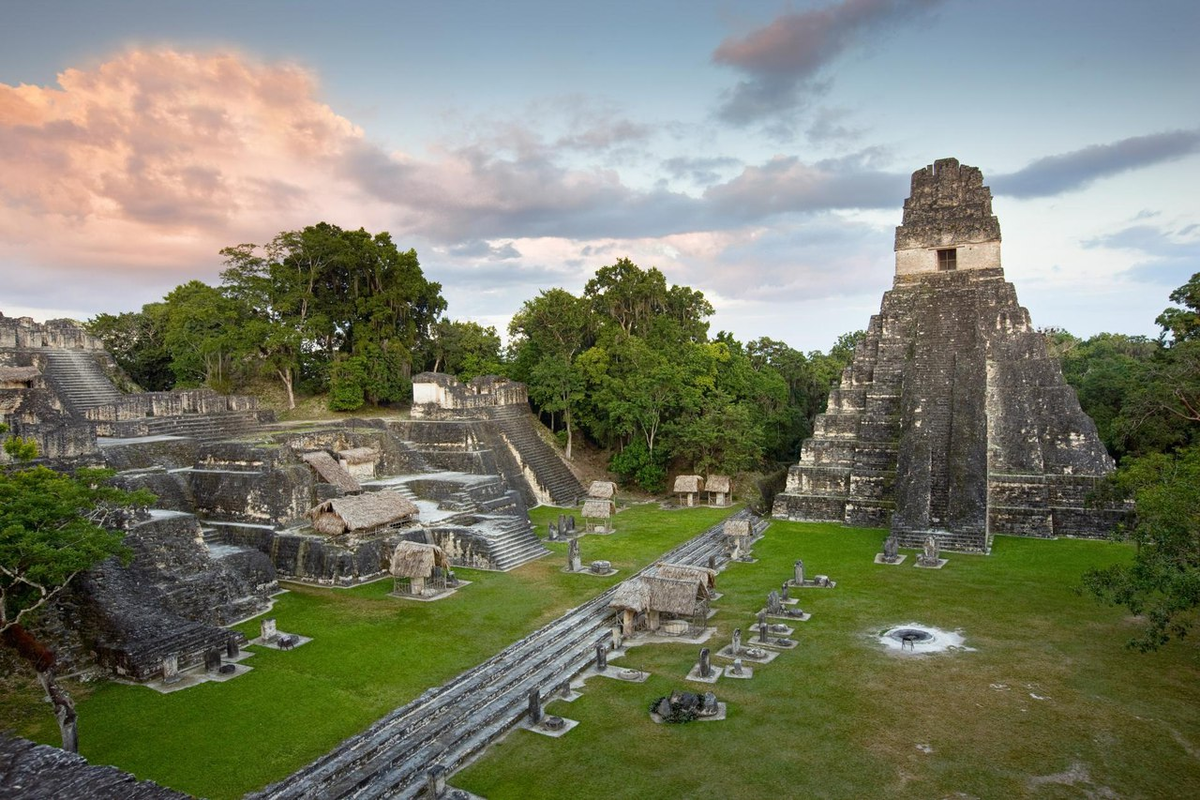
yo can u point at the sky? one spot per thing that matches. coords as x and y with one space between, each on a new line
757 151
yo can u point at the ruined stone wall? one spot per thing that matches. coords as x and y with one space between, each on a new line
440 396
67 334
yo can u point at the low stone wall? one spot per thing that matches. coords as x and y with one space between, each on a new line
65 334
440 396
171 404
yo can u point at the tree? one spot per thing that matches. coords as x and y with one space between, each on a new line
322 295
464 349
549 333
135 339
53 526
1163 582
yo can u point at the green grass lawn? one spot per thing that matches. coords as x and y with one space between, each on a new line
370 653
1048 703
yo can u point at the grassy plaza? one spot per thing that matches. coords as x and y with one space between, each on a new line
1047 703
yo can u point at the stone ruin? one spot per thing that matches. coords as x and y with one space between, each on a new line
235 492
952 421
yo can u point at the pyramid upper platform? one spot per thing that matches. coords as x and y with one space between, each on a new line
948 222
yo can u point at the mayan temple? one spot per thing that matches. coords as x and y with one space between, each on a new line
952 420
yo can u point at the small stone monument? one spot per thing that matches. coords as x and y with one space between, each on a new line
736 647
705 667
798 572
617 637
170 669
737 668
712 563
891 549
663 709
709 707
231 648
574 563
762 626
601 567
783 591
571 524
773 604
212 660
553 535
535 706
267 630
601 657
929 556
435 782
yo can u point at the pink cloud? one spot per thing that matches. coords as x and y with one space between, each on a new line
158 158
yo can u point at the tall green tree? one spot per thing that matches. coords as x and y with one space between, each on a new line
53 526
323 297
1163 582
548 335
136 341
464 349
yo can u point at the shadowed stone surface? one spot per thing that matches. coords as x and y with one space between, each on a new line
952 420
31 771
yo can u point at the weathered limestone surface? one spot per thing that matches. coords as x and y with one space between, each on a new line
31 771
172 598
952 418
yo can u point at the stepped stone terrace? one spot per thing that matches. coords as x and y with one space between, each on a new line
952 421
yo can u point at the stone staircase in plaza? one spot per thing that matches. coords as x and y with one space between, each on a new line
78 380
450 725
555 480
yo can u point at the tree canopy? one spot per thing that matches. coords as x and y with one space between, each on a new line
630 363
1147 395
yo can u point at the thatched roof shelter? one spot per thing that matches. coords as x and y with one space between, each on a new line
358 455
633 594
363 512
686 572
666 588
672 596
417 560
687 484
717 483
331 471
737 527
595 508
603 490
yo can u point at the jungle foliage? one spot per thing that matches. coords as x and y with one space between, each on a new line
630 365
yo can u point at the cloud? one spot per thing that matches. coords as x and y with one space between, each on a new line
787 185
1167 257
784 61
1053 175
700 171
149 159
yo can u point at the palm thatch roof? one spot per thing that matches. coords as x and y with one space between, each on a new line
362 512
18 374
686 484
686 572
603 490
717 483
633 594
737 527
358 455
671 596
595 508
331 471
417 560
658 590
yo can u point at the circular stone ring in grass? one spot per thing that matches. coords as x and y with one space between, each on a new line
916 638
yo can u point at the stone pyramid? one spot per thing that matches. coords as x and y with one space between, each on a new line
952 420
